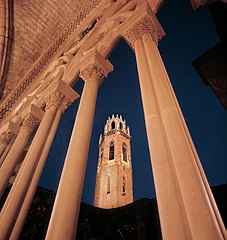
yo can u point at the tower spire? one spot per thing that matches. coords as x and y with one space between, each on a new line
114 186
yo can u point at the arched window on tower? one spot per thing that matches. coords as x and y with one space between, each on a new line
111 151
120 126
108 185
123 185
113 125
124 152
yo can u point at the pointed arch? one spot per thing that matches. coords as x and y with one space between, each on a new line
111 151
124 152
113 125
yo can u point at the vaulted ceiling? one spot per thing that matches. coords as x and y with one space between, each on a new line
30 27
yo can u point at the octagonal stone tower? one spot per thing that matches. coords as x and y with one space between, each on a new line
114 187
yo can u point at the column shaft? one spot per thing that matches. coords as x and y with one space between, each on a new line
35 180
157 140
178 181
66 209
3 157
13 157
2 148
16 196
204 194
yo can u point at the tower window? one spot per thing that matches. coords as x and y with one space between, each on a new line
124 184
113 125
124 152
108 185
120 126
111 153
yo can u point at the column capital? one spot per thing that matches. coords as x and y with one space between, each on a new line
8 132
60 95
6 137
10 126
95 67
142 21
32 117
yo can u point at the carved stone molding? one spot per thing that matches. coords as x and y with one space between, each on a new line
30 123
6 137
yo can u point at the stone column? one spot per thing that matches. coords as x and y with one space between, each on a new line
9 132
6 151
18 192
32 118
66 209
36 177
186 206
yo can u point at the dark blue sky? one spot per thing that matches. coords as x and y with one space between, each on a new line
189 33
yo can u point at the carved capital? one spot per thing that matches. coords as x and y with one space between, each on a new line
66 102
54 99
6 137
93 71
144 25
60 95
30 123
143 21
96 67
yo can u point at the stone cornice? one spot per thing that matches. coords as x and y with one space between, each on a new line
39 67
96 67
143 21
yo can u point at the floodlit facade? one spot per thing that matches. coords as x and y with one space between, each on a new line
114 186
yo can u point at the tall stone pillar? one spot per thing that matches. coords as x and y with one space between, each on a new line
186 206
41 163
32 118
66 209
11 208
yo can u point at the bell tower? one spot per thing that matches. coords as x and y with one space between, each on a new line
114 186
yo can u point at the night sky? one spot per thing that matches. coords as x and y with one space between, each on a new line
189 33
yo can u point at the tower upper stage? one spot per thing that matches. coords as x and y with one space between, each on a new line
115 125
